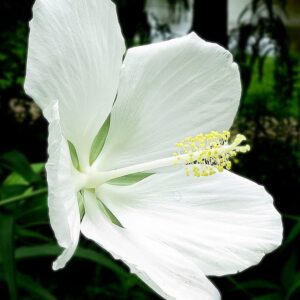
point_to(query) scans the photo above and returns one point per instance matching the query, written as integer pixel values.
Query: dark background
(268, 116)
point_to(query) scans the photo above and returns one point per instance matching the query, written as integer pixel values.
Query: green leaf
(26, 233)
(33, 212)
(131, 282)
(289, 271)
(291, 217)
(294, 288)
(129, 179)
(7, 253)
(32, 252)
(34, 287)
(17, 162)
(38, 167)
(15, 179)
(74, 156)
(26, 195)
(238, 286)
(7, 191)
(294, 232)
(100, 259)
(99, 140)
(273, 296)
(258, 284)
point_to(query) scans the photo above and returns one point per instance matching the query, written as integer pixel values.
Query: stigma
(207, 154)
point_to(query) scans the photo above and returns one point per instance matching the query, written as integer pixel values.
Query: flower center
(202, 155)
(207, 154)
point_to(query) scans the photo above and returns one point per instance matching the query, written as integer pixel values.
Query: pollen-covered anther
(207, 154)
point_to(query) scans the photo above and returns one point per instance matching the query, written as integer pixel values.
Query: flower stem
(23, 197)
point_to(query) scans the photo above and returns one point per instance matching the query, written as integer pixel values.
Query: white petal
(224, 223)
(62, 198)
(166, 271)
(168, 91)
(74, 57)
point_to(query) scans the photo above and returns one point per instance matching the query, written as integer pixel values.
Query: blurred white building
(168, 21)
(291, 18)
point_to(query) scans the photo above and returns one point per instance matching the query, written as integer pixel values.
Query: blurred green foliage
(269, 115)
(12, 59)
(263, 92)
(27, 246)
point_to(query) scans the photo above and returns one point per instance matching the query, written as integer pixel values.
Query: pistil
(202, 155)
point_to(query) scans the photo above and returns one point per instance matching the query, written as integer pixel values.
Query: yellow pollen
(207, 154)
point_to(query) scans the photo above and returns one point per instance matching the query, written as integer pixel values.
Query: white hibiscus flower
(113, 127)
